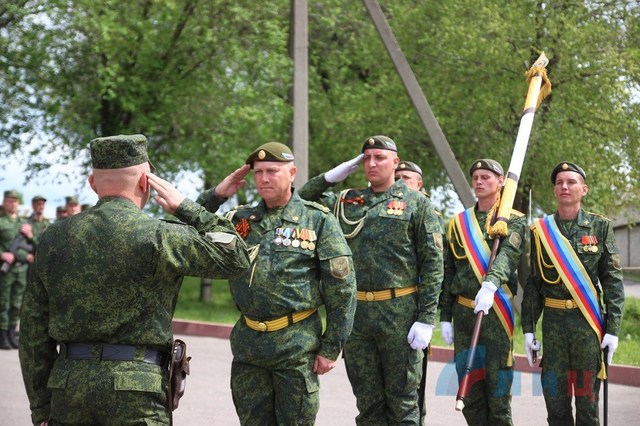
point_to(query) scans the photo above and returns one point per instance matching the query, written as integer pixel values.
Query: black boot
(4, 340)
(13, 338)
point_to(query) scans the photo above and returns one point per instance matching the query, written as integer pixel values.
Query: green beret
(408, 165)
(38, 198)
(379, 142)
(566, 166)
(271, 151)
(487, 164)
(117, 152)
(11, 193)
(72, 199)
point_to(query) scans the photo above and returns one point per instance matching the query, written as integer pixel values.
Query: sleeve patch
(437, 238)
(339, 267)
(227, 240)
(515, 240)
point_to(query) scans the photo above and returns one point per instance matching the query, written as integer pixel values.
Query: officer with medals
(468, 288)
(300, 261)
(396, 241)
(577, 281)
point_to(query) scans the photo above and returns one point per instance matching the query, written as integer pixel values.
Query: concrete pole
(300, 54)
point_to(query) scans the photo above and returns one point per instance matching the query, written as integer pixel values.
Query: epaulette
(177, 222)
(516, 213)
(438, 213)
(316, 206)
(532, 226)
(599, 215)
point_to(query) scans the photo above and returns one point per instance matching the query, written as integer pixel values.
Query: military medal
(400, 208)
(296, 242)
(287, 234)
(304, 236)
(590, 243)
(278, 240)
(312, 238)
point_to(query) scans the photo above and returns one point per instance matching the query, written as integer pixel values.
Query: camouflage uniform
(12, 284)
(571, 348)
(489, 398)
(399, 245)
(111, 276)
(272, 378)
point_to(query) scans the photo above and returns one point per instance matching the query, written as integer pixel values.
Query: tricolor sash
(571, 271)
(478, 253)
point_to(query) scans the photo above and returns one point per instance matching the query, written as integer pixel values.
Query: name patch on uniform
(339, 267)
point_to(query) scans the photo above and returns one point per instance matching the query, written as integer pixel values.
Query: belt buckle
(568, 304)
(262, 326)
(369, 296)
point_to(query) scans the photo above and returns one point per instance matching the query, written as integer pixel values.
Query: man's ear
(143, 182)
(92, 183)
(293, 171)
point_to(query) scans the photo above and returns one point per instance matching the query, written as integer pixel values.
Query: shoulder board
(240, 207)
(516, 213)
(532, 226)
(316, 206)
(177, 222)
(599, 215)
(438, 213)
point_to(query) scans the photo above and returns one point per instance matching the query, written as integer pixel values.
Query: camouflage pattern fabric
(272, 381)
(12, 284)
(489, 399)
(571, 347)
(399, 245)
(112, 274)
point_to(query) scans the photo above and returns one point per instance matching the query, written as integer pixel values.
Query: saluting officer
(575, 278)
(104, 287)
(300, 261)
(396, 241)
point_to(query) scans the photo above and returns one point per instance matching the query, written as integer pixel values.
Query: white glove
(484, 298)
(447, 332)
(609, 341)
(530, 347)
(342, 171)
(420, 335)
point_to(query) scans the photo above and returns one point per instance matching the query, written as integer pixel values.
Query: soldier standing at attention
(14, 280)
(37, 220)
(469, 288)
(300, 261)
(72, 205)
(104, 287)
(575, 277)
(396, 242)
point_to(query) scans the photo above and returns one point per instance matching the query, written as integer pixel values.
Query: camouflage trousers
(383, 369)
(489, 399)
(12, 286)
(569, 368)
(272, 378)
(110, 393)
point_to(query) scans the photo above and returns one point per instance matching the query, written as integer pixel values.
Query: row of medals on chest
(589, 243)
(303, 238)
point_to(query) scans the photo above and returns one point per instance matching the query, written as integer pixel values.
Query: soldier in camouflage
(467, 289)
(300, 261)
(396, 242)
(104, 286)
(12, 282)
(574, 332)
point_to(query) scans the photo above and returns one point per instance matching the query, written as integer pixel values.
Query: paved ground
(208, 398)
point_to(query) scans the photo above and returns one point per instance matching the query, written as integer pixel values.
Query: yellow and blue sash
(478, 254)
(572, 272)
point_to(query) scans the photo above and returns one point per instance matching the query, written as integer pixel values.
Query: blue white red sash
(571, 271)
(478, 254)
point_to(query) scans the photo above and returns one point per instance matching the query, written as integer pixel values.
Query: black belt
(111, 352)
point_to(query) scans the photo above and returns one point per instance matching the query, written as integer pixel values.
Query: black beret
(566, 166)
(379, 142)
(408, 165)
(486, 164)
(271, 151)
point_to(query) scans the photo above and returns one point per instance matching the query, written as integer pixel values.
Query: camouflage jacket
(399, 242)
(9, 230)
(459, 278)
(287, 277)
(602, 263)
(112, 274)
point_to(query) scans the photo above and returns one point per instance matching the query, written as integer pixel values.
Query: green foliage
(208, 81)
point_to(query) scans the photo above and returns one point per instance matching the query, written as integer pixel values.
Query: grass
(221, 309)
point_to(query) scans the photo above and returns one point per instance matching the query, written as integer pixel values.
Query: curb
(618, 374)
